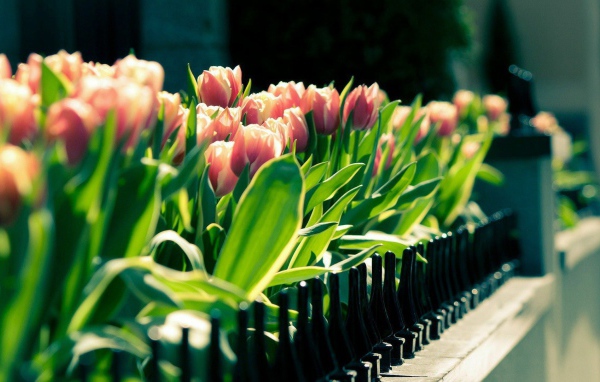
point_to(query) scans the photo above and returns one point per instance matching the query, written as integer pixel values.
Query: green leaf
(191, 138)
(191, 251)
(315, 174)
(189, 169)
(490, 174)
(327, 189)
(413, 216)
(242, 183)
(53, 86)
(354, 260)
(385, 242)
(421, 190)
(259, 228)
(290, 276)
(192, 87)
(341, 230)
(136, 212)
(315, 229)
(212, 239)
(311, 248)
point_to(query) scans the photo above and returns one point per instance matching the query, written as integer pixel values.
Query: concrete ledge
(470, 350)
(576, 244)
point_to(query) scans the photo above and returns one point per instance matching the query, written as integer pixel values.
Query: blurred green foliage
(404, 45)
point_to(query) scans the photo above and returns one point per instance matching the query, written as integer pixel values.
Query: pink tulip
(425, 124)
(325, 105)
(545, 123)
(136, 106)
(173, 113)
(363, 103)
(280, 127)
(494, 106)
(72, 121)
(69, 65)
(298, 127)
(147, 73)
(462, 100)
(445, 114)
(18, 169)
(5, 69)
(97, 69)
(17, 111)
(385, 140)
(30, 73)
(222, 179)
(227, 123)
(401, 114)
(204, 128)
(469, 149)
(220, 86)
(210, 111)
(290, 92)
(254, 145)
(261, 106)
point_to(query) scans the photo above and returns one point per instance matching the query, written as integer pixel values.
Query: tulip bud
(173, 113)
(363, 103)
(545, 123)
(71, 121)
(254, 145)
(290, 92)
(462, 100)
(17, 106)
(5, 69)
(220, 86)
(205, 130)
(142, 72)
(226, 123)
(210, 111)
(222, 178)
(30, 73)
(470, 148)
(298, 127)
(494, 106)
(385, 140)
(97, 69)
(69, 65)
(261, 106)
(18, 169)
(281, 128)
(325, 105)
(445, 114)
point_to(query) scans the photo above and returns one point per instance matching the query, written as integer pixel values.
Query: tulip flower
(204, 128)
(363, 103)
(30, 73)
(254, 145)
(290, 93)
(227, 123)
(298, 128)
(545, 122)
(210, 111)
(220, 86)
(142, 72)
(17, 111)
(97, 69)
(222, 178)
(173, 113)
(69, 65)
(261, 106)
(445, 114)
(494, 106)
(385, 140)
(5, 69)
(469, 149)
(18, 169)
(72, 121)
(401, 113)
(325, 105)
(280, 127)
(462, 100)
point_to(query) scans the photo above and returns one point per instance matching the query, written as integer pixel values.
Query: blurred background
(432, 47)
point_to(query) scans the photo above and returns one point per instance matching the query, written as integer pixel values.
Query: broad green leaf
(191, 251)
(189, 169)
(315, 229)
(385, 242)
(242, 183)
(192, 86)
(421, 190)
(413, 216)
(341, 230)
(53, 86)
(354, 260)
(490, 174)
(290, 276)
(136, 212)
(315, 174)
(260, 230)
(327, 189)
(207, 207)
(191, 138)
(212, 240)
(311, 248)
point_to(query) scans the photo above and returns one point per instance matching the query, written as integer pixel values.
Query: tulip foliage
(124, 207)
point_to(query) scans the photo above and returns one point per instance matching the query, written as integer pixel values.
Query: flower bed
(126, 210)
